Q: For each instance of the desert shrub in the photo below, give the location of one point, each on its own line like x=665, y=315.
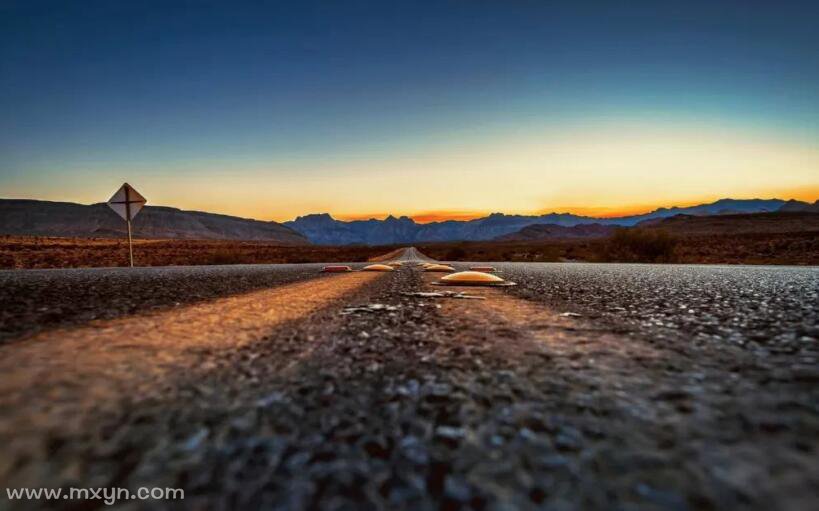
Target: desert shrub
x=455, y=254
x=640, y=246
x=6, y=260
x=548, y=254
x=223, y=256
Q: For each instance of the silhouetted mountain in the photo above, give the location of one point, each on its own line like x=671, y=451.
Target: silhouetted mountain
x=325, y=230
x=797, y=205
x=44, y=218
x=720, y=207
x=757, y=223
x=551, y=231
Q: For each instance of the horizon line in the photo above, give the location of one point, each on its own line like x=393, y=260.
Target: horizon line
x=603, y=212
x=433, y=216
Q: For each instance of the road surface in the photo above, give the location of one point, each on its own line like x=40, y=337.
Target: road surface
x=583, y=387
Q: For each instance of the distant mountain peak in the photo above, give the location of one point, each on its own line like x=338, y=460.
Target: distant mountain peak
x=316, y=216
x=326, y=230
x=794, y=205
x=66, y=219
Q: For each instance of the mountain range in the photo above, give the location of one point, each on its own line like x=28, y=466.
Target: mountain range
x=778, y=222
x=551, y=231
x=323, y=229
x=66, y=219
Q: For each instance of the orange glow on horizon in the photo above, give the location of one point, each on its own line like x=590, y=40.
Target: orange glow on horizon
x=803, y=193
x=425, y=217
x=441, y=216
x=604, y=169
x=808, y=194
x=619, y=211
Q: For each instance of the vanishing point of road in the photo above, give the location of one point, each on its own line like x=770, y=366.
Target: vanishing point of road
x=586, y=386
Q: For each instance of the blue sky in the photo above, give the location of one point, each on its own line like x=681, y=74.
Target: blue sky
x=271, y=109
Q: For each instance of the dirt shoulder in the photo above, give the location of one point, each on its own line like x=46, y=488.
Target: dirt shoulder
x=19, y=252
x=790, y=248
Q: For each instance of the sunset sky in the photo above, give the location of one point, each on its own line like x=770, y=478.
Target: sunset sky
x=429, y=109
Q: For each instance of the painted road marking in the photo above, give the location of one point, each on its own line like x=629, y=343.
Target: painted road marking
x=128, y=352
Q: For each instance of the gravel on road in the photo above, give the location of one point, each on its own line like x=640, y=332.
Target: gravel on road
x=760, y=307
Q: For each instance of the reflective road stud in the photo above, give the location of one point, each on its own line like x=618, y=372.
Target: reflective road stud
x=473, y=278
x=439, y=267
x=378, y=267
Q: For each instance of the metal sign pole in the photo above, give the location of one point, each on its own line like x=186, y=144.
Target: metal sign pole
x=130, y=245
x=128, y=221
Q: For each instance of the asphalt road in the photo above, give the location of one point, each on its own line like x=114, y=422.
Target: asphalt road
x=761, y=307
x=583, y=387
x=37, y=300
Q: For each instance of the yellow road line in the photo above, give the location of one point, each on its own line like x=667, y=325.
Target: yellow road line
x=102, y=356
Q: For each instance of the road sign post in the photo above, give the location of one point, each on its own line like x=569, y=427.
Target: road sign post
x=130, y=245
x=127, y=202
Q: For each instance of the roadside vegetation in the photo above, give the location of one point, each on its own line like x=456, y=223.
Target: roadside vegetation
x=41, y=252
x=640, y=246
x=644, y=246
x=628, y=245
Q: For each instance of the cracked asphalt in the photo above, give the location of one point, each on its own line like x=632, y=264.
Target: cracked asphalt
x=670, y=387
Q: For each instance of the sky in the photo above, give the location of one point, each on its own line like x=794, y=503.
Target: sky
x=432, y=109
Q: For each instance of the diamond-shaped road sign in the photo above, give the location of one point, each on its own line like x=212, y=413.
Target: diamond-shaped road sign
x=127, y=202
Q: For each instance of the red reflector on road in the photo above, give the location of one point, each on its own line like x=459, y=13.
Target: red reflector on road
x=336, y=269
